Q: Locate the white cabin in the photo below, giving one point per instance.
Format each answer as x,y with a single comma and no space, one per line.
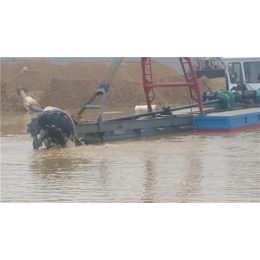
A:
245,70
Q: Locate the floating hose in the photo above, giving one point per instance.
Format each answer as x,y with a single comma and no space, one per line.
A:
28,102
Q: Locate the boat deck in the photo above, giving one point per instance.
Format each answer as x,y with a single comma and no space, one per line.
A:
229,121
237,112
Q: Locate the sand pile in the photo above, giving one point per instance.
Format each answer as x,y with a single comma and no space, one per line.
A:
69,86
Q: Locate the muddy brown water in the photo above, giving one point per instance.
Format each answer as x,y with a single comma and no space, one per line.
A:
185,167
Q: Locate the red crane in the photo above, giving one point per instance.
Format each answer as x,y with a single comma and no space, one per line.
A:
189,74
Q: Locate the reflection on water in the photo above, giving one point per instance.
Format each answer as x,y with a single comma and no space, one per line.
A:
191,181
185,167
150,180
103,172
55,163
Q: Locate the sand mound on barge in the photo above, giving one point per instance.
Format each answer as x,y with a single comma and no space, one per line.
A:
69,86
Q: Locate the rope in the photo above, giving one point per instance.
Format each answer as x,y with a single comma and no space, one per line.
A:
108,78
206,85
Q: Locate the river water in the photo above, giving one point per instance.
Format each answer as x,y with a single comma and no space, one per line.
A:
185,167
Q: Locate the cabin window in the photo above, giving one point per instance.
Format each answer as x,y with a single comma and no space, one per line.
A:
235,72
252,72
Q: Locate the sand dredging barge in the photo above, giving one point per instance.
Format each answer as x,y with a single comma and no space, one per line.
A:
54,126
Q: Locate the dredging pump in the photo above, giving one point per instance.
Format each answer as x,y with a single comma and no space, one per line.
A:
52,127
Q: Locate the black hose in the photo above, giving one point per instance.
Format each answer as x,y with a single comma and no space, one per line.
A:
35,108
23,94
160,111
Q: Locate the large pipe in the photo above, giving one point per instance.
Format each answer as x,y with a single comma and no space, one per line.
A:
160,111
35,108
21,92
28,102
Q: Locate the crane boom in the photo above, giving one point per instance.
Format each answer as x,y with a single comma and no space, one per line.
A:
111,73
103,88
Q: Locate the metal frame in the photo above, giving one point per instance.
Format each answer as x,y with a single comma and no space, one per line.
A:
151,123
102,91
189,74
119,130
